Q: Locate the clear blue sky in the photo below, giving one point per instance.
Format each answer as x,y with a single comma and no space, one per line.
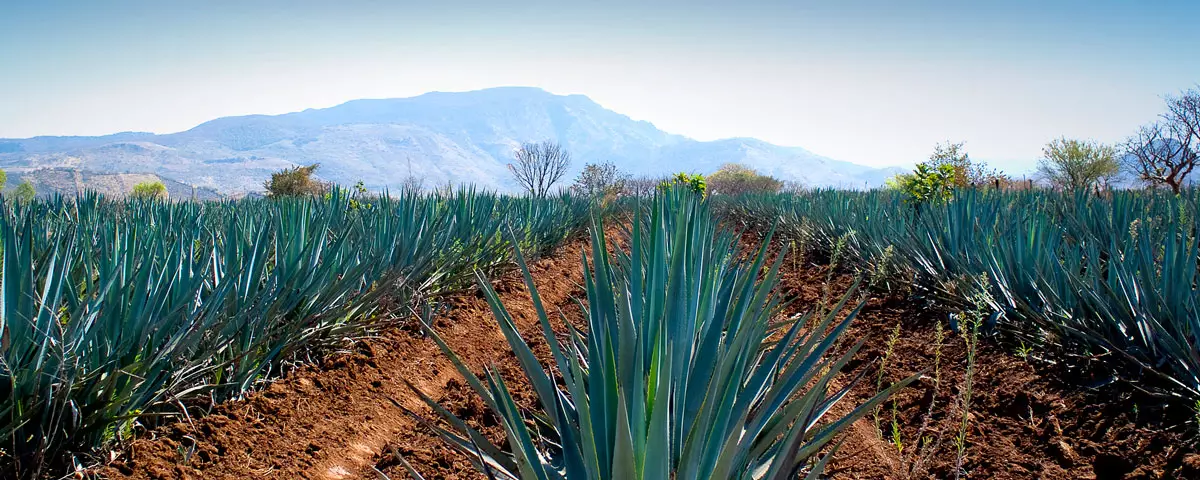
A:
873,82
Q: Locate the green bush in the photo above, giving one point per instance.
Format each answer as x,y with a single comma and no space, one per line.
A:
24,192
149,190
926,184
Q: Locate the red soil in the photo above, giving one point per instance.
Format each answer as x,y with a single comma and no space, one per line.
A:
339,421
1024,420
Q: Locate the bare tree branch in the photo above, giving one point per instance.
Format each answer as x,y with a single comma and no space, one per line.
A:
642,186
538,166
1165,152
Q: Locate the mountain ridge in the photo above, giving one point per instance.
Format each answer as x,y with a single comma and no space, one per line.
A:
439,137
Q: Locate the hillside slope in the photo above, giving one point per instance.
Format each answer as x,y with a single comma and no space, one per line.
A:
46,181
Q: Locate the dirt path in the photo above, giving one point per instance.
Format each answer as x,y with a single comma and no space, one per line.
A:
332,422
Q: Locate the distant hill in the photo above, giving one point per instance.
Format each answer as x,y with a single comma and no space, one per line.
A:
68,181
464,137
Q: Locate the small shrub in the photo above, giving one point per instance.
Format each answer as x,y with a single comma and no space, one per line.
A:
737,179
23,193
149,190
948,168
295,182
926,184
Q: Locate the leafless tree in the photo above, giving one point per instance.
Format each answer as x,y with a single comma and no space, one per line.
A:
599,179
1165,152
793,186
642,186
411,183
538,166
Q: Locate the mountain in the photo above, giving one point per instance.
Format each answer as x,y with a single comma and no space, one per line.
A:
438,137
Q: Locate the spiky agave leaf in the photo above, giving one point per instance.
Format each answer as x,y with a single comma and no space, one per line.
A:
675,378
114,310
1112,276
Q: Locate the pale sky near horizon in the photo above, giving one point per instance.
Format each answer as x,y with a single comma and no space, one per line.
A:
873,82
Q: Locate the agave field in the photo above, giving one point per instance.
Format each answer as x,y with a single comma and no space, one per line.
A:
122,311
1111,277
674,341
675,377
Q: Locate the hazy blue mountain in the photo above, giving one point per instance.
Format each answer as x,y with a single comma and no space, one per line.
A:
464,137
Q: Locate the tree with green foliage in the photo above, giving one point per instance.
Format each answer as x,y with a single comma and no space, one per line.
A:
736,179
3,179
24,192
1077,164
600,179
295,182
149,190
967,173
927,183
947,169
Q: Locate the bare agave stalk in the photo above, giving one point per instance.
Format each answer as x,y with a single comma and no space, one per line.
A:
971,337
883,364
835,258
927,446
882,269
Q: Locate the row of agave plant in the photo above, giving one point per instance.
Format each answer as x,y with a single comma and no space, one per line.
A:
1112,277
124,311
684,371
